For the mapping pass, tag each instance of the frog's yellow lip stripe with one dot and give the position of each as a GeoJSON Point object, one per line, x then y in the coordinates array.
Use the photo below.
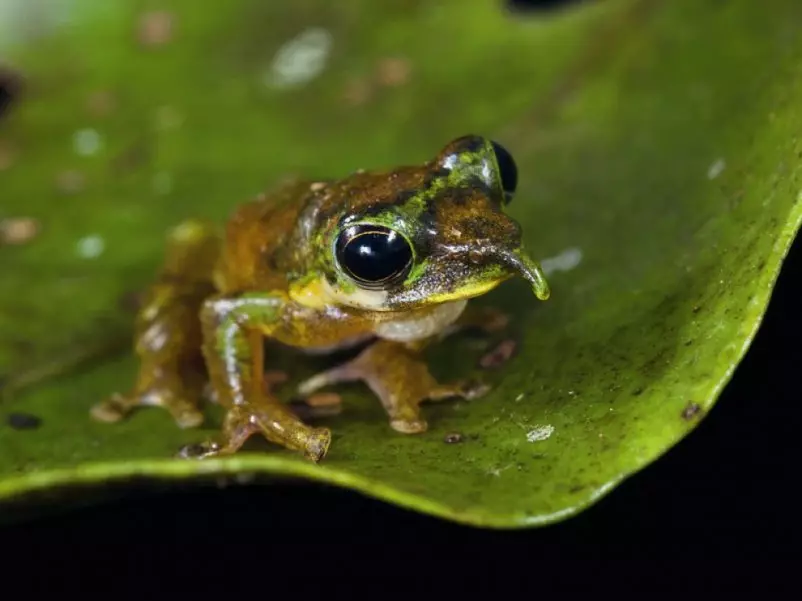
{"type": "Point", "coordinates": [471, 290]}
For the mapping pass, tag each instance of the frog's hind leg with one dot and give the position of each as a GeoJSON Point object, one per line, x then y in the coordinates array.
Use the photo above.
{"type": "Point", "coordinates": [168, 334]}
{"type": "Point", "coordinates": [400, 379]}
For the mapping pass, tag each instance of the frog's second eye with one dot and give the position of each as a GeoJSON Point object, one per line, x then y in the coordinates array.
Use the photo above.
{"type": "Point", "coordinates": [508, 171]}
{"type": "Point", "coordinates": [373, 255]}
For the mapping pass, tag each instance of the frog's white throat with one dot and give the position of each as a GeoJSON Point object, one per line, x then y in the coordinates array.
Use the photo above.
{"type": "Point", "coordinates": [405, 327]}
{"type": "Point", "coordinates": [417, 325]}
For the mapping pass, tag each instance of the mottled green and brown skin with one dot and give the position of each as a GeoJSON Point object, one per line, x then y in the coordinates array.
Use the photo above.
{"type": "Point", "coordinates": [275, 274]}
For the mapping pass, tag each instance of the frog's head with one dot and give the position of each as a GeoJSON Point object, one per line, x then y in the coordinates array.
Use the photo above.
{"type": "Point", "coordinates": [423, 235]}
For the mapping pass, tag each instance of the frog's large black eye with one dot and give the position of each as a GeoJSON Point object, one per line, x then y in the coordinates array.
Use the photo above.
{"type": "Point", "coordinates": [373, 255]}
{"type": "Point", "coordinates": [507, 169]}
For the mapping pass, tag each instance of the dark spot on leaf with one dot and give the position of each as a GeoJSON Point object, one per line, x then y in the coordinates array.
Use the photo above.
{"type": "Point", "coordinates": [697, 308]}
{"type": "Point", "coordinates": [499, 355]}
{"type": "Point", "coordinates": [23, 421]}
{"type": "Point", "coordinates": [691, 411]}
{"type": "Point", "coordinates": [637, 391]}
{"type": "Point", "coordinates": [10, 87]}
{"type": "Point", "coordinates": [453, 438]}
{"type": "Point", "coordinates": [540, 6]}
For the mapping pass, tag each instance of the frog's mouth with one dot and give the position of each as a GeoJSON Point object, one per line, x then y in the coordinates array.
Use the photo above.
{"type": "Point", "coordinates": [498, 265]}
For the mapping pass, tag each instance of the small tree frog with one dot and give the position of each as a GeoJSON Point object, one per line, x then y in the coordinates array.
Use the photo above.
{"type": "Point", "coordinates": [388, 258]}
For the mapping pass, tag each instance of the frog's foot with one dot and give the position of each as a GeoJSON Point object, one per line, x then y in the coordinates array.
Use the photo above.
{"type": "Point", "coordinates": [241, 422]}
{"type": "Point", "coordinates": [400, 380]}
{"type": "Point", "coordinates": [174, 398]}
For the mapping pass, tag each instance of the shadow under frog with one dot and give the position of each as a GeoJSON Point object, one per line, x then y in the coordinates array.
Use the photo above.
{"type": "Point", "coordinates": [388, 258]}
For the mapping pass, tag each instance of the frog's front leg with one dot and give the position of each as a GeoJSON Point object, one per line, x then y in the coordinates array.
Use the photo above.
{"type": "Point", "coordinates": [233, 331]}
{"type": "Point", "coordinates": [401, 380]}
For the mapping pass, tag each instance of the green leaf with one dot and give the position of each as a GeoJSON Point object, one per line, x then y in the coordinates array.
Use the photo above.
{"type": "Point", "coordinates": [659, 150]}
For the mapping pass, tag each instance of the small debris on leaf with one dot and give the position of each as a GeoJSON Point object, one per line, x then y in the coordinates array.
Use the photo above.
{"type": "Point", "coordinates": [155, 28]}
{"type": "Point", "coordinates": [716, 169]}
{"type": "Point", "coordinates": [90, 247]}
{"type": "Point", "coordinates": [499, 355]}
{"type": "Point", "coordinates": [539, 433]}
{"type": "Point", "coordinates": [300, 59]}
{"type": "Point", "coordinates": [18, 230]}
{"type": "Point", "coordinates": [691, 411]}
{"type": "Point", "coordinates": [87, 142]}
{"type": "Point", "coordinates": [394, 72]}
{"type": "Point", "coordinates": [453, 438]}
{"type": "Point", "coordinates": [23, 421]}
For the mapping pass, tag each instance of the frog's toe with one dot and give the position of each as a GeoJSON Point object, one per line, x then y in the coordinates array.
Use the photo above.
{"type": "Point", "coordinates": [473, 390]}
{"type": "Point", "coordinates": [464, 389]}
{"type": "Point", "coordinates": [409, 426]}
{"type": "Point", "coordinates": [113, 409]}
{"type": "Point", "coordinates": [317, 444]}
{"type": "Point", "coordinates": [185, 413]}
{"type": "Point", "coordinates": [202, 450]}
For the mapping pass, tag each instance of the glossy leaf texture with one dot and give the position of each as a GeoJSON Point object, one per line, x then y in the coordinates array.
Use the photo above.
{"type": "Point", "coordinates": [659, 161]}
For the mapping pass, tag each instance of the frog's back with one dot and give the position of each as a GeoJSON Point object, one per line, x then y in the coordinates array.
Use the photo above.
{"type": "Point", "coordinates": [259, 252]}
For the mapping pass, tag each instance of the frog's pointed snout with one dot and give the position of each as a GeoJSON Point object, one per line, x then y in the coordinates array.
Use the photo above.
{"type": "Point", "coordinates": [519, 262]}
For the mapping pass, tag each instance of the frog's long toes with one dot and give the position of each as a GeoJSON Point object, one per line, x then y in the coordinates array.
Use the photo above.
{"type": "Point", "coordinates": [317, 444]}
{"type": "Point", "coordinates": [188, 419]}
{"type": "Point", "coordinates": [201, 450]}
{"type": "Point", "coordinates": [185, 415]}
{"type": "Point", "coordinates": [113, 409]}
{"type": "Point", "coordinates": [474, 390]}
{"type": "Point", "coordinates": [409, 426]}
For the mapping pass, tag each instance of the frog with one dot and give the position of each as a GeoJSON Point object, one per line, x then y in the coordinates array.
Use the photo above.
{"type": "Point", "coordinates": [384, 258]}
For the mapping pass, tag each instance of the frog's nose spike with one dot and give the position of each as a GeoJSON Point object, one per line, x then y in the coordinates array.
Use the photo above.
{"type": "Point", "coordinates": [528, 269]}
